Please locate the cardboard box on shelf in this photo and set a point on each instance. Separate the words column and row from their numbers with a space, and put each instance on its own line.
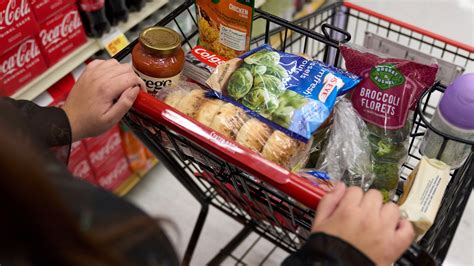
column 61, row 34
column 83, row 170
column 17, row 23
column 44, row 9
column 104, row 147
column 113, row 173
column 19, row 66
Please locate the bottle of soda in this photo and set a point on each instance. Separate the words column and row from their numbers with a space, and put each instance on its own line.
column 116, row 11
column 135, row 5
column 94, row 18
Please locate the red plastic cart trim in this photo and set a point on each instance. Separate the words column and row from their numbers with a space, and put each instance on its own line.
column 251, row 162
column 409, row 26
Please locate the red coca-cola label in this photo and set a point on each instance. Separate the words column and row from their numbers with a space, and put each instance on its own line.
column 100, row 154
column 17, row 23
column 43, row 9
column 207, row 57
column 83, row 170
column 114, row 173
column 62, row 34
column 20, row 65
column 91, row 5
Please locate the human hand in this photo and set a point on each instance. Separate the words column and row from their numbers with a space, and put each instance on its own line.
column 365, row 222
column 101, row 97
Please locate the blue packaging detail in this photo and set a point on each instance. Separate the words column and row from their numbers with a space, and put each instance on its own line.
column 288, row 92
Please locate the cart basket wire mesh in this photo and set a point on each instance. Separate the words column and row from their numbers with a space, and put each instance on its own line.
column 265, row 198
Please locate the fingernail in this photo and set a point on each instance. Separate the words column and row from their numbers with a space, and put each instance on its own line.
column 133, row 92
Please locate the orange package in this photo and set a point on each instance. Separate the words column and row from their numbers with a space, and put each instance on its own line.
column 225, row 26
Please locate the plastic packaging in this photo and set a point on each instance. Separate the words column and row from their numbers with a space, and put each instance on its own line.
column 451, row 117
column 347, row 156
column 235, row 124
column 286, row 91
column 383, row 99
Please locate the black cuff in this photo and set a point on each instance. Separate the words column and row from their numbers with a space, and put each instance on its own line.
column 323, row 249
column 52, row 125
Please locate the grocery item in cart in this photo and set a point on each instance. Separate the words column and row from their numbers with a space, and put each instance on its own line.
column 158, row 58
column 200, row 63
column 383, row 99
column 453, row 116
column 235, row 124
column 423, row 192
column 225, row 26
column 288, row 92
column 347, row 155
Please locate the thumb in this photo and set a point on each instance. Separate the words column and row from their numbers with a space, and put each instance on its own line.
column 123, row 104
column 405, row 234
column 329, row 203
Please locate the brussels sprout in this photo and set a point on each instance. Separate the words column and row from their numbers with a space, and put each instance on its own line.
column 263, row 57
column 240, row 83
column 276, row 71
column 293, row 99
column 271, row 104
column 283, row 115
column 269, row 83
column 255, row 69
column 255, row 99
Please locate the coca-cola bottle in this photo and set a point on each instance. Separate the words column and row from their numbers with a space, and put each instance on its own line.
column 135, row 5
column 116, row 11
column 94, row 18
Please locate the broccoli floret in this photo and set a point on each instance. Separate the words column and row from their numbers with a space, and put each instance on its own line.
column 386, row 175
column 383, row 148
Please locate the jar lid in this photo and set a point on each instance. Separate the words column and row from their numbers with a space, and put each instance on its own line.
column 160, row 40
column 457, row 104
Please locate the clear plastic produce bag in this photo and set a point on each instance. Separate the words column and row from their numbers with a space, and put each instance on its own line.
column 346, row 157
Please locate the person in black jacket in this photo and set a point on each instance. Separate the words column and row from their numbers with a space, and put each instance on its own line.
column 50, row 218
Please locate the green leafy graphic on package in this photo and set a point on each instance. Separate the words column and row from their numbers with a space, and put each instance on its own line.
column 386, row 76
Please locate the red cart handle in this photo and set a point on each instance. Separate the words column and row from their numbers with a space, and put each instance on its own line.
column 409, row 26
column 249, row 161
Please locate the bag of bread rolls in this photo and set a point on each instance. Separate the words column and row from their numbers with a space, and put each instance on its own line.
column 235, row 124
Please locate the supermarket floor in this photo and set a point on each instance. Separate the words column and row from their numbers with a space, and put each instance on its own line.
column 161, row 195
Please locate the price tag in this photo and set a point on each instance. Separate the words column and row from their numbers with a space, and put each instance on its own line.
column 114, row 41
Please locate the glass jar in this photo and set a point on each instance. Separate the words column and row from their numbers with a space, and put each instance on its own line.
column 158, row 58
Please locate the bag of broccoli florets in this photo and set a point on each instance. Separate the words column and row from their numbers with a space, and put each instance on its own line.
column 288, row 92
column 389, row 89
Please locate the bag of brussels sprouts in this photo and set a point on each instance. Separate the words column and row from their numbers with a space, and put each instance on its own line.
column 287, row 92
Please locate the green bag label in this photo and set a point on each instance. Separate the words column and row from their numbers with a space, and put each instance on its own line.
column 386, row 76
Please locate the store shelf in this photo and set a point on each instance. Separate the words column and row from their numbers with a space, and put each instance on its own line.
column 133, row 180
column 67, row 64
column 259, row 3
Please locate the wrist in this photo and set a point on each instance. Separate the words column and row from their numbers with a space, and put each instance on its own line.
column 73, row 123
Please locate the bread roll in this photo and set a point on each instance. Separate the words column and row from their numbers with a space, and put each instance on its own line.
column 175, row 97
column 208, row 110
column 228, row 120
column 254, row 134
column 191, row 102
column 280, row 149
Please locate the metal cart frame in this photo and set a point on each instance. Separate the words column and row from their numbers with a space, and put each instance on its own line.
column 265, row 198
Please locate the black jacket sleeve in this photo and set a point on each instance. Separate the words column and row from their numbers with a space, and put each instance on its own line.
column 49, row 125
column 45, row 127
column 322, row 249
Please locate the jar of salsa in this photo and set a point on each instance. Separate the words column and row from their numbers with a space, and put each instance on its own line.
column 158, row 58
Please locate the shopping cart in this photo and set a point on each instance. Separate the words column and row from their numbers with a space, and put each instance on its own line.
column 265, row 198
